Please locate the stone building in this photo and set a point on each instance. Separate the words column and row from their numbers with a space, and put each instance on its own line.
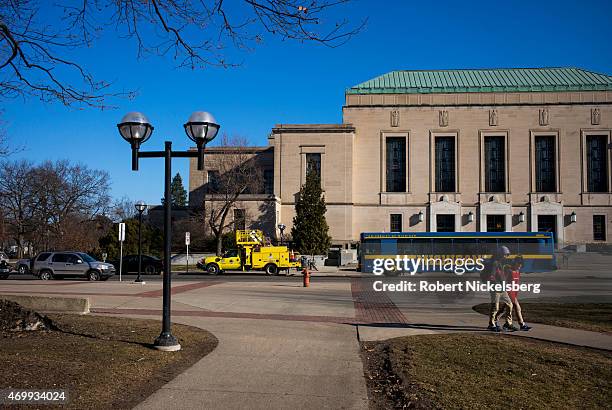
column 451, row 150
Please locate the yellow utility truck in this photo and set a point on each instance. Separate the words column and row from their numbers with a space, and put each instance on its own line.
column 253, row 254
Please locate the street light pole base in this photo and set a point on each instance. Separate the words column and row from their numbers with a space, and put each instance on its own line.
column 139, row 280
column 166, row 342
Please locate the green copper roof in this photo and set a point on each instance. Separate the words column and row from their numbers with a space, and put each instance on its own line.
column 483, row 81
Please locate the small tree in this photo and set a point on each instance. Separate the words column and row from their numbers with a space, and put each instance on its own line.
column 177, row 191
column 310, row 228
column 178, row 194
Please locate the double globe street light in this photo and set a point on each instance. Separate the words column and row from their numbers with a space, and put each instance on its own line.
column 136, row 129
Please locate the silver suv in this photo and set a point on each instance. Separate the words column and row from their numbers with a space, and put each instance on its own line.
column 49, row 265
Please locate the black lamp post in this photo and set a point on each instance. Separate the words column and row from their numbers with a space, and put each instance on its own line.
column 136, row 129
column 140, row 207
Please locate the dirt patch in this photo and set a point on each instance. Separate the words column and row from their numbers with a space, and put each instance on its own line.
column 484, row 371
column 16, row 318
column 102, row 362
column 596, row 317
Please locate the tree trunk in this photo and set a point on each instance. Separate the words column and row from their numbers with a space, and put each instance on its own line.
column 219, row 234
column 219, row 244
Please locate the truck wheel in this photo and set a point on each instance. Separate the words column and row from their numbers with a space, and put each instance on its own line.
column 22, row 269
column 212, row 269
column 46, row 275
column 271, row 269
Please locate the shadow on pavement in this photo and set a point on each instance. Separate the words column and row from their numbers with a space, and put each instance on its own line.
column 425, row 326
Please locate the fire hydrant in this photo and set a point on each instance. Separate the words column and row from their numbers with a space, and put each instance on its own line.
column 306, row 277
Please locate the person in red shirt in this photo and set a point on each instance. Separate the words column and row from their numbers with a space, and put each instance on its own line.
column 513, row 276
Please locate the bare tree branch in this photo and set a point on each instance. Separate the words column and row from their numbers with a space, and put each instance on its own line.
column 36, row 38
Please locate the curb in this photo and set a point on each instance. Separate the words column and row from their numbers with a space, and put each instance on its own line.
column 45, row 304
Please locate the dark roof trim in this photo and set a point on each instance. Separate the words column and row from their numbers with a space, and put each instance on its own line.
column 313, row 128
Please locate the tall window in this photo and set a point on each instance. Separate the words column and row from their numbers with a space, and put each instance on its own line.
column 445, row 164
column 396, row 164
column 496, row 223
column 239, row 219
column 545, row 163
column 313, row 164
column 445, row 223
column 495, row 167
column 597, row 163
column 599, row 227
column 214, row 180
column 396, row 223
column 268, row 176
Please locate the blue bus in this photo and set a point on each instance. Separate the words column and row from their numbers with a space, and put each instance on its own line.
column 536, row 248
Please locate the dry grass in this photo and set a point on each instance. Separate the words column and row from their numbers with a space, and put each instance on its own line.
column 103, row 362
column 485, row 371
column 596, row 317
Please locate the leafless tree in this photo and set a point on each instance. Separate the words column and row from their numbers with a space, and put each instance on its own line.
column 43, row 204
column 19, row 200
column 37, row 38
column 68, row 190
column 122, row 209
column 237, row 173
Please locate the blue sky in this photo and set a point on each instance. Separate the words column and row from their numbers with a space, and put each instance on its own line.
column 290, row 82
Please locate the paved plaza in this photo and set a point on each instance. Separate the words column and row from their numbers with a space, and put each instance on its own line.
column 282, row 345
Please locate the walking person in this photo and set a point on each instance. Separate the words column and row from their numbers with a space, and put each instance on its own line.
column 497, row 275
column 514, row 276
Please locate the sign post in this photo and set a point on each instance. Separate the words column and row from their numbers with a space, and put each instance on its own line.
column 121, row 239
column 187, row 242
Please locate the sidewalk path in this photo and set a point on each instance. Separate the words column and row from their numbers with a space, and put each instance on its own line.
column 281, row 345
column 265, row 364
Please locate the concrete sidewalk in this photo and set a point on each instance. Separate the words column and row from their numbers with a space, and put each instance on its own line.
column 264, row 364
column 437, row 323
column 282, row 345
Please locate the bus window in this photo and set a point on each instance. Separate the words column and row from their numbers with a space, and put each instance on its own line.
column 443, row 246
column 532, row 246
column 371, row 247
column 487, row 246
column 465, row 246
column 404, row 246
column 421, row 246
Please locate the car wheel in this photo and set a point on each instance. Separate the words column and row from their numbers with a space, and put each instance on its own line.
column 93, row 275
column 212, row 269
column 150, row 270
column 271, row 269
column 22, row 269
column 46, row 275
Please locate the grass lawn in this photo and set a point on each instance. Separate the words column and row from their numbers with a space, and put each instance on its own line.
column 103, row 362
column 586, row 316
column 485, row 371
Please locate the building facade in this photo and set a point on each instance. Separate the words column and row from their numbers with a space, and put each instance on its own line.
column 453, row 150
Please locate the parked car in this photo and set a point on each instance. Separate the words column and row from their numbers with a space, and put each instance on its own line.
column 5, row 269
column 57, row 265
column 150, row 264
column 22, row 266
